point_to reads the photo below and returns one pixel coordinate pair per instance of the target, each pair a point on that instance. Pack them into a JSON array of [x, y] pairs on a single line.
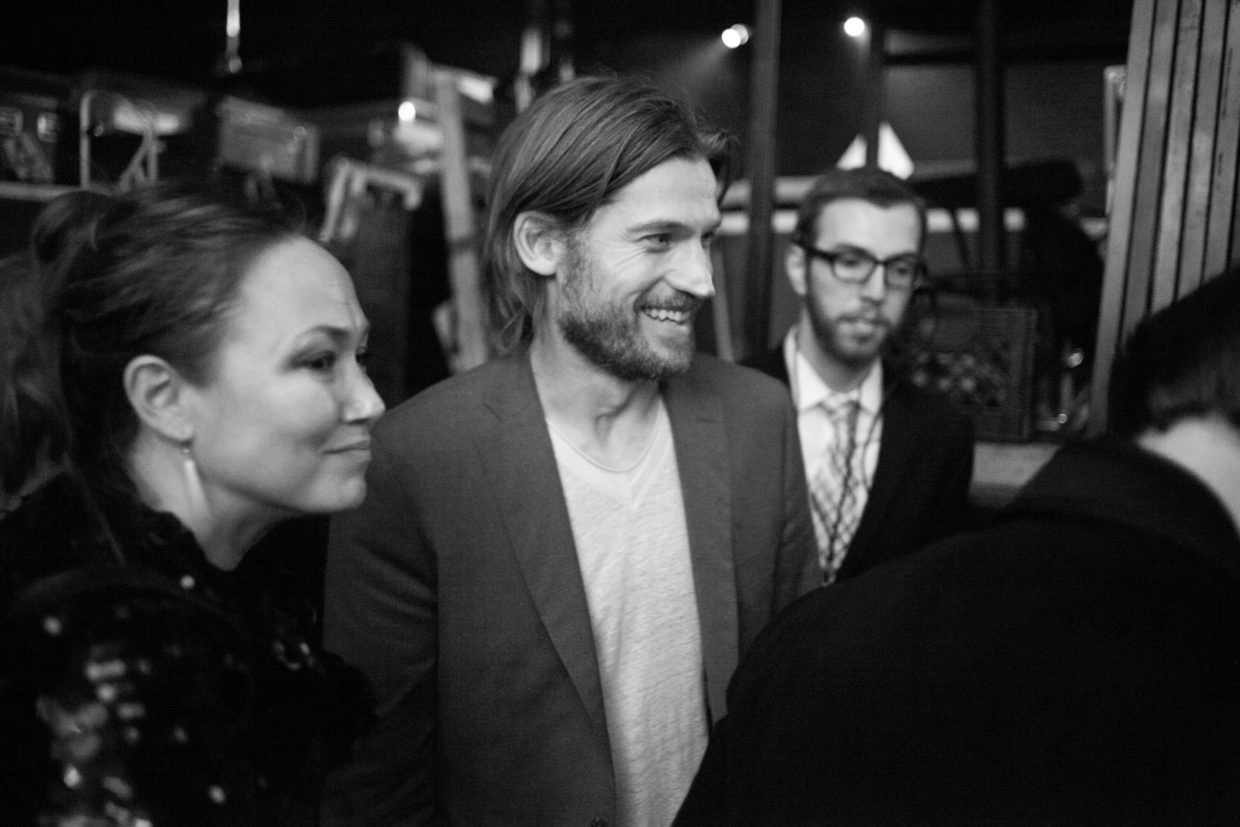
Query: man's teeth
[[660, 314]]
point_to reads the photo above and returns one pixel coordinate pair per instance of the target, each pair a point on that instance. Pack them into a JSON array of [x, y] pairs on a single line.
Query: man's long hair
[[567, 155]]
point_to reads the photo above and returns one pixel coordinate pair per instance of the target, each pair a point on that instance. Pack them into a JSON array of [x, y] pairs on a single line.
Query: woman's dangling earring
[[193, 480]]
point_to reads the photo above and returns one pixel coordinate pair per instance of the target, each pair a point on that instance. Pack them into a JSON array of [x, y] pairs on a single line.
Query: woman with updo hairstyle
[[181, 373]]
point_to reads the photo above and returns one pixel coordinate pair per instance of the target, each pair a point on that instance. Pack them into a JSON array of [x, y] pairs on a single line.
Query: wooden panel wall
[[1173, 219]]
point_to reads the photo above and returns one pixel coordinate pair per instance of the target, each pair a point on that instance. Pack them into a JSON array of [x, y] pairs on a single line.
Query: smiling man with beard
[[888, 465], [565, 551]]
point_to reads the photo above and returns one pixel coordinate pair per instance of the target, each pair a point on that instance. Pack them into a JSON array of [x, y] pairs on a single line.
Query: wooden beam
[[1220, 234], [1153, 149], [465, 272], [872, 103], [989, 139], [1123, 204], [1173, 219], [1181, 105], [763, 89], [1197, 198]]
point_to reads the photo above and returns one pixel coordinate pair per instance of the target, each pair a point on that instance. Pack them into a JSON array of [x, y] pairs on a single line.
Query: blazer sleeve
[[380, 615], [797, 570]]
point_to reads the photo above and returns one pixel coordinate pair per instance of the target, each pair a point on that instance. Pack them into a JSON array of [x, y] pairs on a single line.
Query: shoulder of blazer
[[770, 362], [737, 388], [496, 389], [932, 412]]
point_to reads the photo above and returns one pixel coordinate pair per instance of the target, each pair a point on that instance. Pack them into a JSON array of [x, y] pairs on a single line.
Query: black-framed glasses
[[855, 266]]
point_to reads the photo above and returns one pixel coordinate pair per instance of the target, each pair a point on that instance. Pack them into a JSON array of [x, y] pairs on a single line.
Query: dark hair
[[877, 186], [567, 155], [108, 278], [1183, 360]]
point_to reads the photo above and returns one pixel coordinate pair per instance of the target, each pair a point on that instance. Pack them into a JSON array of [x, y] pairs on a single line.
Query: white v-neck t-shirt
[[633, 550]]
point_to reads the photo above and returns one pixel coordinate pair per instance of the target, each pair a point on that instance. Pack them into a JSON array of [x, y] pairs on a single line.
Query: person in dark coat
[[888, 464], [1075, 662], [189, 373]]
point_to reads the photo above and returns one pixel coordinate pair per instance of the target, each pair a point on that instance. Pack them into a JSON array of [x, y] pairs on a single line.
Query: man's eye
[[659, 239], [851, 261], [363, 359], [905, 268]]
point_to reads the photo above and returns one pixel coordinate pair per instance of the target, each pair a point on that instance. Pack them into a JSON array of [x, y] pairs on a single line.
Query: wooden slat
[[1201, 160], [1179, 133], [463, 267], [759, 261], [1233, 48], [1174, 217], [1223, 188], [1150, 169], [1123, 203], [1164, 276]]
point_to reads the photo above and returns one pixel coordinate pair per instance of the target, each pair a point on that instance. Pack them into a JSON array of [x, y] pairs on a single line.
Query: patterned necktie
[[835, 488]]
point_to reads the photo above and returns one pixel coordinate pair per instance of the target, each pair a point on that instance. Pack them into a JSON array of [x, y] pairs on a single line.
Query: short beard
[[825, 332], [608, 336]]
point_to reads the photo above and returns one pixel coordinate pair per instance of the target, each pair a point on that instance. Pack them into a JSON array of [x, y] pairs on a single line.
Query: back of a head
[[151, 271], [567, 155], [1182, 361], [872, 184]]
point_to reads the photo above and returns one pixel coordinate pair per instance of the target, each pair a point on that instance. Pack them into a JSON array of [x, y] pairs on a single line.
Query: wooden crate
[[981, 358]]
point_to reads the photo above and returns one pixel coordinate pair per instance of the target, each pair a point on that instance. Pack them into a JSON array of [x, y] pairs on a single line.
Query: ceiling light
[[735, 36], [854, 27]]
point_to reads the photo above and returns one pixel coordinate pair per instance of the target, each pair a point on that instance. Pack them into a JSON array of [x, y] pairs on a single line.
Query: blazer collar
[[700, 431], [520, 466], [902, 438]]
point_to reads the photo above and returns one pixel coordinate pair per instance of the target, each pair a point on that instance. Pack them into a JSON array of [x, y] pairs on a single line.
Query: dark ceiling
[[307, 52]]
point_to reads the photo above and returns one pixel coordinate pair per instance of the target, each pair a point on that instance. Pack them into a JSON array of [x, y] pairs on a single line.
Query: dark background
[[319, 56], [319, 53]]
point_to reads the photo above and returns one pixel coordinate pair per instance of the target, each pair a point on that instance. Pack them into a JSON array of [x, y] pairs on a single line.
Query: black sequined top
[[302, 706]]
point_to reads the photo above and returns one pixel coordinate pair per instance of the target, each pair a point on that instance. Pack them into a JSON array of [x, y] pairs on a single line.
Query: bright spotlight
[[407, 112], [735, 36], [854, 27]]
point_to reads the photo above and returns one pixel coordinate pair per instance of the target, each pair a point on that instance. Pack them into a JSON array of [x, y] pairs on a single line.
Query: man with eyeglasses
[[888, 465], [1072, 662]]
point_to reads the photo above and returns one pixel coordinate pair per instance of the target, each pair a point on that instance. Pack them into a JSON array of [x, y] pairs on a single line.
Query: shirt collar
[[808, 389]]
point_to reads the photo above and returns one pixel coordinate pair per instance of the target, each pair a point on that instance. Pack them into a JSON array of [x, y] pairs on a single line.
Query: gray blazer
[[455, 587]]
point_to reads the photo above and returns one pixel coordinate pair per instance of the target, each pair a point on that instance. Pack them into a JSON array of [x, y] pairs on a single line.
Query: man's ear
[[539, 241], [156, 392], [794, 268]]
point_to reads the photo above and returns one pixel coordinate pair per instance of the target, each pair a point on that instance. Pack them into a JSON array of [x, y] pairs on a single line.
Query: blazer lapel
[[700, 435], [520, 465], [899, 442]]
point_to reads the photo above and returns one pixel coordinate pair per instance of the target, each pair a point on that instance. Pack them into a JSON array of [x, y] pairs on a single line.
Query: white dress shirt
[[809, 393]]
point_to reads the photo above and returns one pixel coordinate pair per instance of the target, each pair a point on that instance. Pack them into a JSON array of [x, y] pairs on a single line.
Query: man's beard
[[610, 336], [832, 341]]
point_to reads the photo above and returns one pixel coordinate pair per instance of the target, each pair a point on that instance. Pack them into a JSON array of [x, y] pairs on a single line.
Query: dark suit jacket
[[920, 491], [456, 588], [1075, 662]]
